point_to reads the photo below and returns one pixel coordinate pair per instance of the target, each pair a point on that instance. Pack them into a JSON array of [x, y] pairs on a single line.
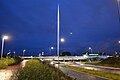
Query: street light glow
[[52, 47], [90, 48], [71, 33], [24, 50], [62, 40], [119, 42], [5, 37]]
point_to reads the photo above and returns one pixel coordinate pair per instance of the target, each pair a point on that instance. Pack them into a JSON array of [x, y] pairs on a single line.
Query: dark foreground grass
[[110, 76], [37, 70]]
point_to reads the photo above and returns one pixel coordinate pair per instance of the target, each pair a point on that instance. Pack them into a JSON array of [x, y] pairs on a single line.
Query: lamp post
[[58, 33], [51, 49], [24, 52], [3, 41], [9, 52], [62, 40], [118, 8], [90, 49]]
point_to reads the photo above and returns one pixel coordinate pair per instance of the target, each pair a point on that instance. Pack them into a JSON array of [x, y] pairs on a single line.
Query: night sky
[[32, 25]]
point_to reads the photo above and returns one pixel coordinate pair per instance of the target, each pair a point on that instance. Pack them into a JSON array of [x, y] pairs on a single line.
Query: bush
[[111, 61], [3, 64], [17, 59], [9, 61], [36, 70]]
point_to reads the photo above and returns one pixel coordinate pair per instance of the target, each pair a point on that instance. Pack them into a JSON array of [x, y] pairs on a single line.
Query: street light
[[14, 52], [3, 41], [71, 33], [119, 42], [62, 40], [24, 52], [51, 49], [90, 49], [8, 53]]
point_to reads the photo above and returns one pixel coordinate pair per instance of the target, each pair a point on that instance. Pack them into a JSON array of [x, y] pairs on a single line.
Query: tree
[[65, 54]]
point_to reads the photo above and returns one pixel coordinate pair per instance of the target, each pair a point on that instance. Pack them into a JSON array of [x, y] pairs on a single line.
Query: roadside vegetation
[[8, 61], [110, 76], [109, 62], [37, 70]]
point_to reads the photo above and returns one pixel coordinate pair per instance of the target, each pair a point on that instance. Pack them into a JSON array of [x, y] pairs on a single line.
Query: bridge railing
[[65, 57]]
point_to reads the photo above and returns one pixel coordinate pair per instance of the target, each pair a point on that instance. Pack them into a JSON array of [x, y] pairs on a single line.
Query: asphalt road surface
[[99, 68], [79, 75]]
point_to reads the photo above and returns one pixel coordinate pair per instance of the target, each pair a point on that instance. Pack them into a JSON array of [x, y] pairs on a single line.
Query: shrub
[[36, 70], [3, 64], [9, 61], [111, 61], [17, 59]]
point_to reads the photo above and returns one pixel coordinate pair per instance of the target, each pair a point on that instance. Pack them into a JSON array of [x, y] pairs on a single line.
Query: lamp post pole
[[2, 47], [51, 50], [3, 41], [58, 33], [118, 8], [24, 52], [62, 40], [90, 49]]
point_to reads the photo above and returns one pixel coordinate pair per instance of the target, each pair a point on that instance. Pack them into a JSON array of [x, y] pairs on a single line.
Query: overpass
[[66, 57]]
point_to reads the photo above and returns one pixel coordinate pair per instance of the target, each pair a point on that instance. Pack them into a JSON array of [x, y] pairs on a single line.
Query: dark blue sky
[[32, 25]]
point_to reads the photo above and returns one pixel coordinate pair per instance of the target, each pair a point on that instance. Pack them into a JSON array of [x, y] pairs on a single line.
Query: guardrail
[[65, 57]]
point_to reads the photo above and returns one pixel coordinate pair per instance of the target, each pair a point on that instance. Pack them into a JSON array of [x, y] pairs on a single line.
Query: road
[[99, 68], [79, 75]]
